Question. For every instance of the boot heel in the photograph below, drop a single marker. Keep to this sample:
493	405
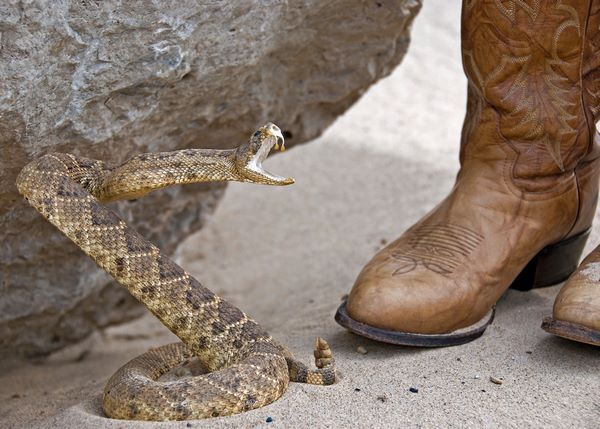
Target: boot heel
553	264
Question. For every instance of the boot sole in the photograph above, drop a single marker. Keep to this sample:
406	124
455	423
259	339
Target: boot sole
455	338
571	331
553	264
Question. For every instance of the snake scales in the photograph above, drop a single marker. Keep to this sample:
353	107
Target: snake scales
247	369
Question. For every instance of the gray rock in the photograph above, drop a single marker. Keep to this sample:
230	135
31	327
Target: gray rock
112	79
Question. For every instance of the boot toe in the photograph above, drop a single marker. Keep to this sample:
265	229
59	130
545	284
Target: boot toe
579	303
417	301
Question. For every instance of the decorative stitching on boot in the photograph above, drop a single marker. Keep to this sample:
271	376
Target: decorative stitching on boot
439	248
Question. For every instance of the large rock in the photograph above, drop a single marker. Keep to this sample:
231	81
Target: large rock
111	79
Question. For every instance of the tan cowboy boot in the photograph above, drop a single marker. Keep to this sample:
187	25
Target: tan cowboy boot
576	314
524	198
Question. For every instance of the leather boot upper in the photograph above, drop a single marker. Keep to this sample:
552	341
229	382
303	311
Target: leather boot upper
526	140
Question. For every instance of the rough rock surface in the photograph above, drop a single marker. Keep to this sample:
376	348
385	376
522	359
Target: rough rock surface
111	79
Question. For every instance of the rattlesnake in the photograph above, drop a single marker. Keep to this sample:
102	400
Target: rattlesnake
247	369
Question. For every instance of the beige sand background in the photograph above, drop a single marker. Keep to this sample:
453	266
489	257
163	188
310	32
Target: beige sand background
286	256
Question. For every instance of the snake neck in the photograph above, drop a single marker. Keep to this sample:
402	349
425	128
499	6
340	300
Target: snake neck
151	171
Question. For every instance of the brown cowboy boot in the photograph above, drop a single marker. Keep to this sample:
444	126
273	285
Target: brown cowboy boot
576	314
524	198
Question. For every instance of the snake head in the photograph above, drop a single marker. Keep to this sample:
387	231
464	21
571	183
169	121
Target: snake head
250	155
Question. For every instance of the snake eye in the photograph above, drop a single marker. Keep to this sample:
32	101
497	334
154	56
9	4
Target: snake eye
256	133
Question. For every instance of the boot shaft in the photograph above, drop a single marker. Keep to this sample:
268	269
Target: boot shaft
534	91
591	63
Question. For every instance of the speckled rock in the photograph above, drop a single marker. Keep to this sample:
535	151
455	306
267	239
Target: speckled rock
111	79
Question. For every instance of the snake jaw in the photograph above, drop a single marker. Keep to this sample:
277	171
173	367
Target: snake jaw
256	151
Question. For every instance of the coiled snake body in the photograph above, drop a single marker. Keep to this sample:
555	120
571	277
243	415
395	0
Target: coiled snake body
247	368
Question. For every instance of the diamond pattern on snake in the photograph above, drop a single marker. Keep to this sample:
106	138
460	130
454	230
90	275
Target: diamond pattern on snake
247	368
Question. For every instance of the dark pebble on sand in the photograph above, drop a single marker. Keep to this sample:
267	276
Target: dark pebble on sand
269	419
413	390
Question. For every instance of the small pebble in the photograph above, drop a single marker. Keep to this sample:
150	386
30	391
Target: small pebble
356	389
382	398
529	352
477	377
413	390
496	380
269	419
189	425
483	390
362	350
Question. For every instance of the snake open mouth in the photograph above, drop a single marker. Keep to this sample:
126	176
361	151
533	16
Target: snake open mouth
271	138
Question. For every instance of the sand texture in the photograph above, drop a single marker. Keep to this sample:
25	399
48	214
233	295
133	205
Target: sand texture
286	256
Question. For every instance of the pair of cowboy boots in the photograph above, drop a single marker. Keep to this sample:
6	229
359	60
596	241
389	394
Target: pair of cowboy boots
525	197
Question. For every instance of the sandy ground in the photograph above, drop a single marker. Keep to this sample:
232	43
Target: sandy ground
286	256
